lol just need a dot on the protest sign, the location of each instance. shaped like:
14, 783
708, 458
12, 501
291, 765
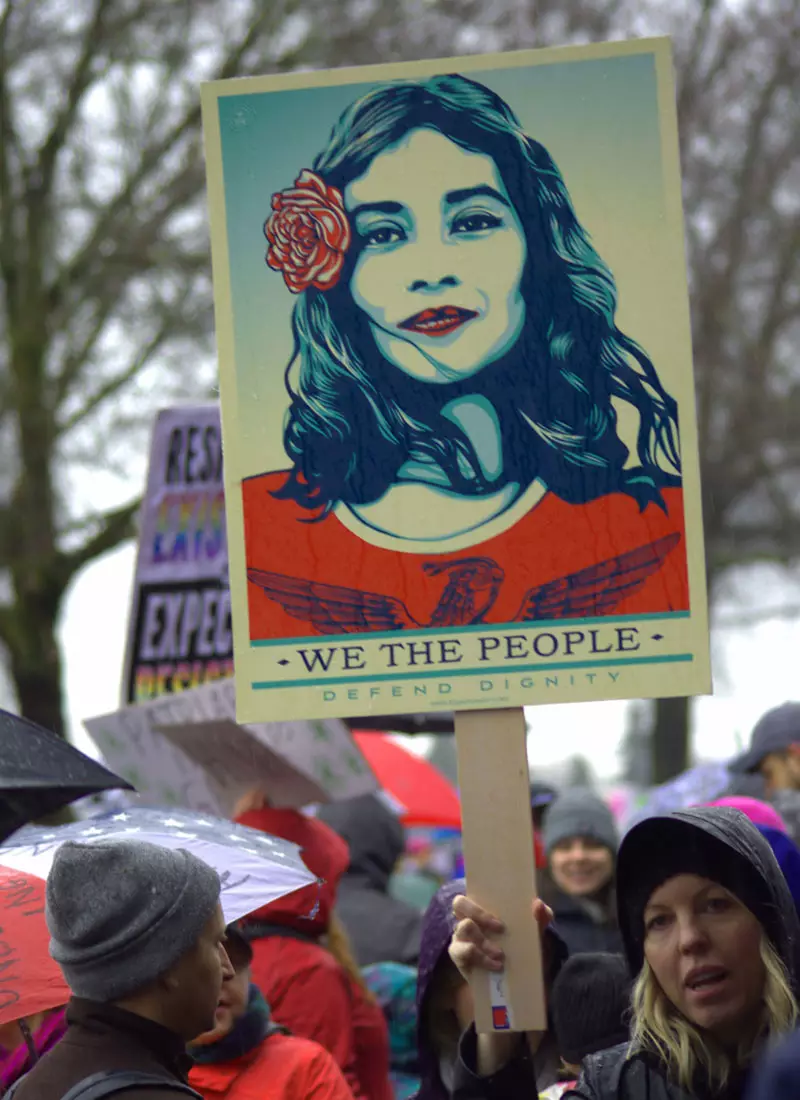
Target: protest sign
184, 749
458, 411
225, 750
457, 398
180, 631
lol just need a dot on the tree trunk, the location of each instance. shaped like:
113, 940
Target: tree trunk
670, 739
36, 668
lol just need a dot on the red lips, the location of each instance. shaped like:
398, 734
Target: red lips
438, 322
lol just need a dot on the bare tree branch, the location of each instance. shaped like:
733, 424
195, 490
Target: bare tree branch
117, 382
77, 86
115, 527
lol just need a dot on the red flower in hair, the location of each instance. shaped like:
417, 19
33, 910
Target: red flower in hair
308, 234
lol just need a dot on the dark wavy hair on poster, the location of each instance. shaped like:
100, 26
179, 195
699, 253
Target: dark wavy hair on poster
355, 419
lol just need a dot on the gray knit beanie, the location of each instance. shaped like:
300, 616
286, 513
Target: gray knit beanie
579, 812
121, 912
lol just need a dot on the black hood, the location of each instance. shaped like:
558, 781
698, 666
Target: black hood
722, 844
373, 833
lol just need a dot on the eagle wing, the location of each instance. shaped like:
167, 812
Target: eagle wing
331, 609
598, 589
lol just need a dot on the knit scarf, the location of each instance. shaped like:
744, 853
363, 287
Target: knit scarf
245, 1035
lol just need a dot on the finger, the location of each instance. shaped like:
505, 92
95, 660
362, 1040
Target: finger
469, 956
468, 932
542, 914
466, 909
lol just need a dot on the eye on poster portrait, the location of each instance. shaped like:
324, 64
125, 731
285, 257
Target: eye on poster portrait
460, 444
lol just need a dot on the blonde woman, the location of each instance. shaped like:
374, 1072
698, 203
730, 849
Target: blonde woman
712, 935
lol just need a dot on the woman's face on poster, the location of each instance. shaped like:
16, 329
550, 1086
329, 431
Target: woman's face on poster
441, 257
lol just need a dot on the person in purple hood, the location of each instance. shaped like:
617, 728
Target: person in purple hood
444, 1001
19, 1053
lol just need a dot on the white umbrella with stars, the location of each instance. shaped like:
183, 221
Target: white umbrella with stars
255, 868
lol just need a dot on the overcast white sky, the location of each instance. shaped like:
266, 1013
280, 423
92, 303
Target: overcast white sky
755, 668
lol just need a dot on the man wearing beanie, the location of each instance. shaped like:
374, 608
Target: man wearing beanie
139, 934
580, 843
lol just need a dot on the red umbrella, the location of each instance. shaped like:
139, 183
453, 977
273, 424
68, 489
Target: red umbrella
428, 798
30, 982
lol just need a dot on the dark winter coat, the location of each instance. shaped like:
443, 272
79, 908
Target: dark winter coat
381, 928
102, 1038
580, 929
779, 1076
614, 1074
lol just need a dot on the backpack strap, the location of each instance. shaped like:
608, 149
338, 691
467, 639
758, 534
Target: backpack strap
109, 1083
100, 1085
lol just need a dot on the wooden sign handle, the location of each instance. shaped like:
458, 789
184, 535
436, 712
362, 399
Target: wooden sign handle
500, 864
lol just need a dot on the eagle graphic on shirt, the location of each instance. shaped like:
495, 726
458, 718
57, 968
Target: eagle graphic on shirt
472, 587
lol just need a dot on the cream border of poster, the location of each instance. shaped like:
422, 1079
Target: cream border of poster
682, 666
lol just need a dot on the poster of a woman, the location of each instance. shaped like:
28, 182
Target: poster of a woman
469, 437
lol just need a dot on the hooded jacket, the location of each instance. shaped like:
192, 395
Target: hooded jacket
437, 931
651, 853
308, 991
381, 928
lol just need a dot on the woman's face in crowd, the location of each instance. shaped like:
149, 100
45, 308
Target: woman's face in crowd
441, 257
231, 1007
704, 948
781, 771
581, 866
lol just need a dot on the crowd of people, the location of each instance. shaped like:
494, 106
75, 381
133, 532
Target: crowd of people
671, 962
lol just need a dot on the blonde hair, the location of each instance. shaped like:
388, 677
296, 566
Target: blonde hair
338, 943
659, 1027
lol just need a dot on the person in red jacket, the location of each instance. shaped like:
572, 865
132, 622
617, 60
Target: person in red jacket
249, 1057
308, 989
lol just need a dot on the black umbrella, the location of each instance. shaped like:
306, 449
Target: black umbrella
40, 773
